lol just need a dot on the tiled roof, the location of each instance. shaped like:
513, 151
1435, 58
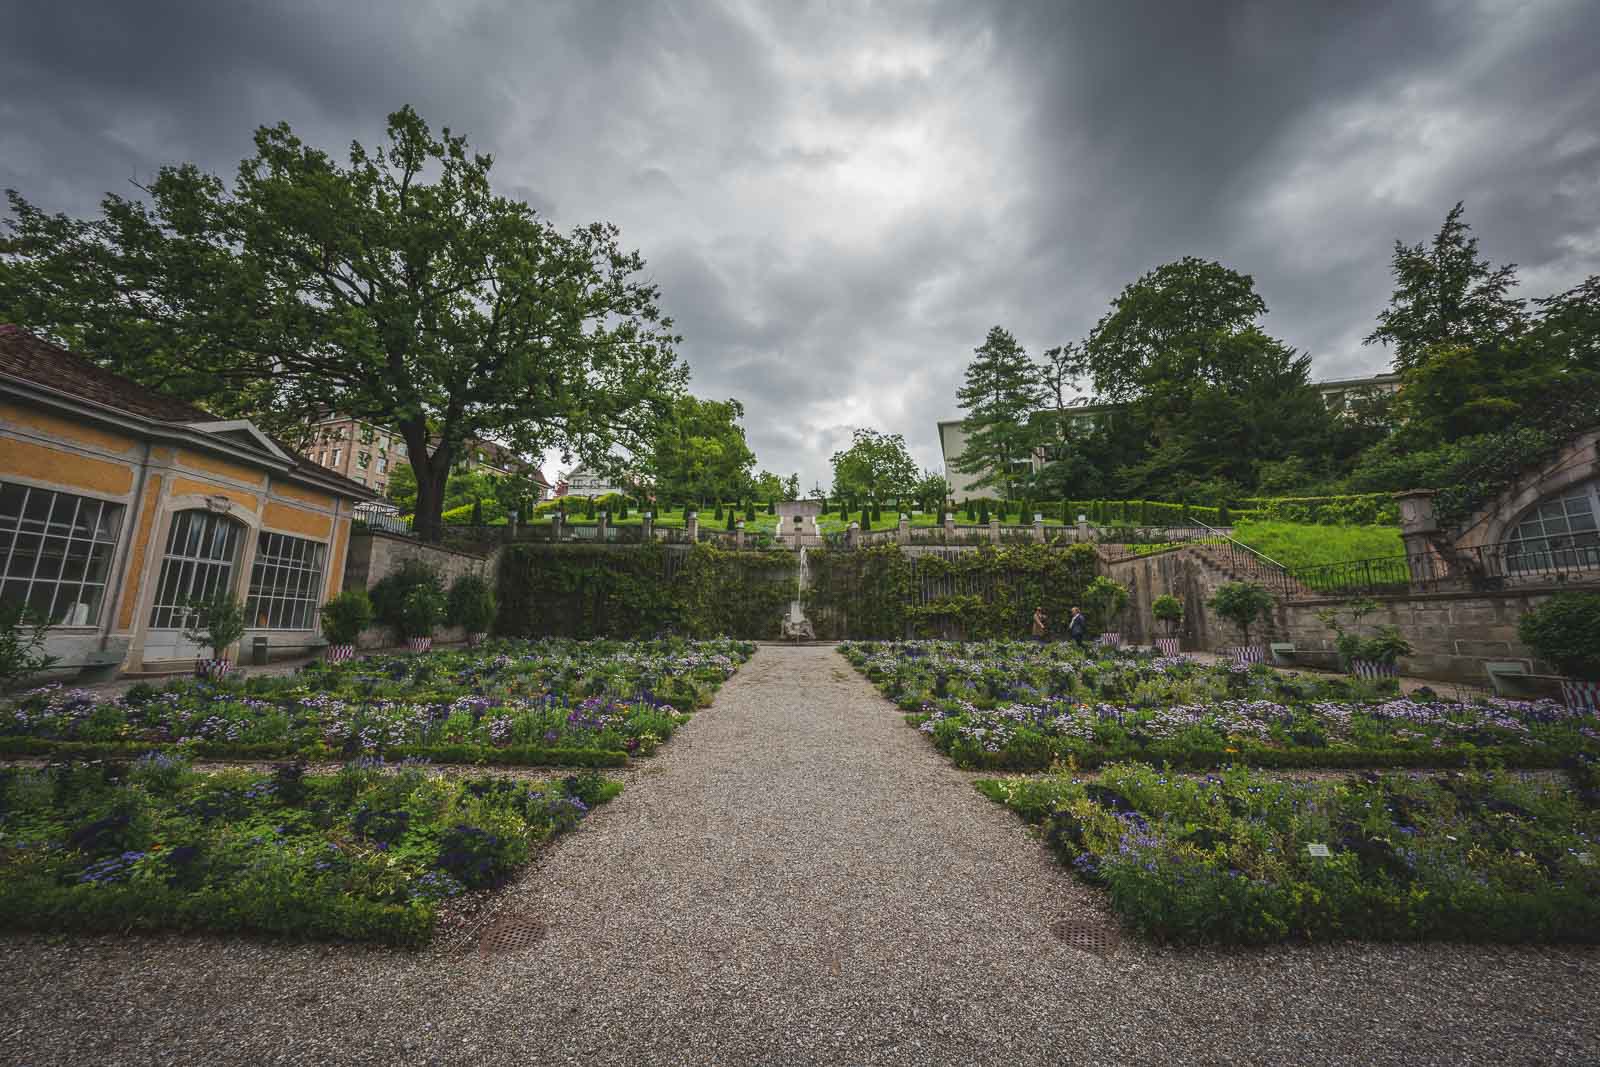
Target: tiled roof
22, 355
32, 359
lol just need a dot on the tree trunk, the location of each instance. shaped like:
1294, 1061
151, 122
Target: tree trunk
432, 472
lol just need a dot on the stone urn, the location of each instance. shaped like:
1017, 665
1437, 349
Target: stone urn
1581, 696
212, 669
1372, 670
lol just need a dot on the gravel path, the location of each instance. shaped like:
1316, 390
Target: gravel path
798, 878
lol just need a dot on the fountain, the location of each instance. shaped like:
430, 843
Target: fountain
797, 526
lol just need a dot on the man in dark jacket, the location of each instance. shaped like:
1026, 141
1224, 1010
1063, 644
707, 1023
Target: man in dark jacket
1078, 629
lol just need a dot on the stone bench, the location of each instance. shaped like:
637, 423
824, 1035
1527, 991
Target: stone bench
1513, 679
1285, 654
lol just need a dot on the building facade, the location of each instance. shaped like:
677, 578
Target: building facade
119, 506
581, 481
362, 451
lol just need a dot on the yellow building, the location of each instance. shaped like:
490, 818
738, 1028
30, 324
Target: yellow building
119, 505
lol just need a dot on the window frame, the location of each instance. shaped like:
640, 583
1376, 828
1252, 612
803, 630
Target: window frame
70, 532
299, 602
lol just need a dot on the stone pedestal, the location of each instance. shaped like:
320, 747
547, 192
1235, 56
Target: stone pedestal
1418, 528
994, 531
904, 536
600, 524
691, 526
738, 534
1083, 530
647, 527
950, 525
1038, 528
852, 535
556, 527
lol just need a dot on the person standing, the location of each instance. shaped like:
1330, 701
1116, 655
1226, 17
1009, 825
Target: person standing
1078, 629
1038, 624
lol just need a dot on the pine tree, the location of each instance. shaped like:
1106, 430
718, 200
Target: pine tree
866, 518
983, 512
999, 394
731, 513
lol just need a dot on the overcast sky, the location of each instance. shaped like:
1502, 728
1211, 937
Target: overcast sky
839, 200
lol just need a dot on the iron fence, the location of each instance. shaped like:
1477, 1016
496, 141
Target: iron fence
1557, 560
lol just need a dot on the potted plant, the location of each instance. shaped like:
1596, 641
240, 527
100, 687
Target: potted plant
1168, 610
1379, 656
1565, 631
1104, 599
1375, 656
420, 611
472, 607
214, 622
343, 619
1242, 603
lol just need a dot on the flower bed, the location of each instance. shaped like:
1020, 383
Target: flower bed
1229, 858
1006, 708
371, 853
556, 702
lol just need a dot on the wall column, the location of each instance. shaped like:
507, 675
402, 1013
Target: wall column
1418, 527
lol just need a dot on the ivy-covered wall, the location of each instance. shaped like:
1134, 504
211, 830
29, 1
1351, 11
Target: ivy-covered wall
989, 592
642, 590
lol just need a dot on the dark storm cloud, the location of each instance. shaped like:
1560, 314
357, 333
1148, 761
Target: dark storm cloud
838, 205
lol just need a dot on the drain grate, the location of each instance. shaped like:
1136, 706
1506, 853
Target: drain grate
510, 933
1087, 934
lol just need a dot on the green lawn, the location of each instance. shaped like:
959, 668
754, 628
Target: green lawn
1296, 545
764, 523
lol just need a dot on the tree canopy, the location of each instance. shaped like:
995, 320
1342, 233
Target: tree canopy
875, 468
698, 452
396, 288
999, 394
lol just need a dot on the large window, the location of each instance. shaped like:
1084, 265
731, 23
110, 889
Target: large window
285, 583
55, 552
1561, 532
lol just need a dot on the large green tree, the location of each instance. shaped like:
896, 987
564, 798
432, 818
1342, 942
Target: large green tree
396, 287
1168, 330
1204, 390
1445, 294
698, 452
999, 394
875, 468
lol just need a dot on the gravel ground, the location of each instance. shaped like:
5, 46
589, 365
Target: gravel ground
797, 878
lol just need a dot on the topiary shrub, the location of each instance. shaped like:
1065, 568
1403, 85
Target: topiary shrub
1565, 630
421, 611
1241, 603
1168, 610
388, 595
217, 623
1104, 600
345, 616
472, 604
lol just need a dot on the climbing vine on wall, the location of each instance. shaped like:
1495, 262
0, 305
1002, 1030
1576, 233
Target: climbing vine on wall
880, 592
641, 591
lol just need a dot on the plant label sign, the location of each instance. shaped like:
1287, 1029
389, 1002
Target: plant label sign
1319, 850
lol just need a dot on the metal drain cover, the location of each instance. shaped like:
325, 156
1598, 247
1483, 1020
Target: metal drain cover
1088, 935
510, 933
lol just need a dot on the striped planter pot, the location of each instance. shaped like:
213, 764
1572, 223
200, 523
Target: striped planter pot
1248, 654
1371, 671
474, 640
1581, 696
419, 644
1109, 640
339, 653
214, 669
1168, 646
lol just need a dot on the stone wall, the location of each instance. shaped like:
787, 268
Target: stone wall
1453, 634
374, 555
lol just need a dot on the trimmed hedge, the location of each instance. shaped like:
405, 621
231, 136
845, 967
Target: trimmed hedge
514, 755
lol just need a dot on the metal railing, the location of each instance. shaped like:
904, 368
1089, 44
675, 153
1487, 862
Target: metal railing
1246, 562
1557, 560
